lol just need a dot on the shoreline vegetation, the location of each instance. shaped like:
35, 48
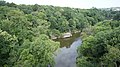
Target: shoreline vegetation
26, 32
64, 35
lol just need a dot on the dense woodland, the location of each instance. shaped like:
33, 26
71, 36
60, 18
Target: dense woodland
26, 30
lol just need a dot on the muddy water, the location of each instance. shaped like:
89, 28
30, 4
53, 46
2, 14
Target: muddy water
66, 55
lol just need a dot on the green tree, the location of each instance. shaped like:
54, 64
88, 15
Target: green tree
112, 58
38, 53
95, 47
7, 42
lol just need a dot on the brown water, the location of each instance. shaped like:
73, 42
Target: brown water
67, 54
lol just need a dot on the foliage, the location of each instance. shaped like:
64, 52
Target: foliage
7, 42
25, 31
99, 47
38, 53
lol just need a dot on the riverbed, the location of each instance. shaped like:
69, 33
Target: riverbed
67, 54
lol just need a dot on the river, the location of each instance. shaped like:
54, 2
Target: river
67, 54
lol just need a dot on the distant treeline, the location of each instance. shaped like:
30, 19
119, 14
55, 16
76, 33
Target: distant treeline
25, 32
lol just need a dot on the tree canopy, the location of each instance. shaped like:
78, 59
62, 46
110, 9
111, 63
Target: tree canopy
25, 32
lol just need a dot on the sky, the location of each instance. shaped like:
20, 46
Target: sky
72, 3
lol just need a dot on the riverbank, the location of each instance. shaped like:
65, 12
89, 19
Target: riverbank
64, 35
67, 41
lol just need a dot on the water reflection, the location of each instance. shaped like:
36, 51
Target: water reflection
66, 42
66, 57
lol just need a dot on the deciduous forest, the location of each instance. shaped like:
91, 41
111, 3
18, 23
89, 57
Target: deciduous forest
26, 33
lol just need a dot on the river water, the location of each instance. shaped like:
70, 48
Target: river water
67, 54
